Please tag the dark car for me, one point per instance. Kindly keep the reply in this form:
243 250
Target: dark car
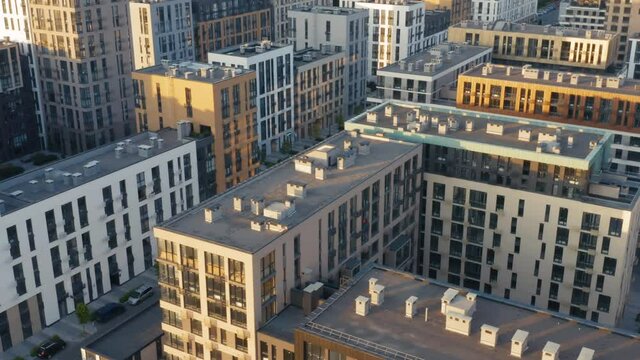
51 347
108 312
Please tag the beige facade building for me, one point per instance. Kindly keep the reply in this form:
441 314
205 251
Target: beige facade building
460 9
235 30
229 266
593 50
623 18
161 30
210 101
522 209
84 62
319 94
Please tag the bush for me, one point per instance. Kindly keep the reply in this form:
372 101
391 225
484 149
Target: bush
56 338
41 159
124 298
19 358
8 170
34 351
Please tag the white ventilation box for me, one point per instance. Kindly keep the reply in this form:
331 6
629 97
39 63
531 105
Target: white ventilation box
347 144
410 307
442 128
296 189
303 165
586 354
388 110
458 323
257 225
551 351
320 173
237 203
519 343
544 137
346 161
377 295
372 117
257 206
489 335
446 299
468 125
372 283
495 129
212 213
364 147
362 305
524 134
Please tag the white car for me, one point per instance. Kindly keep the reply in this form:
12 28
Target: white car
140 294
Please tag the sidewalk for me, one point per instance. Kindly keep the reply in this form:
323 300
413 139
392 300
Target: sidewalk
71 331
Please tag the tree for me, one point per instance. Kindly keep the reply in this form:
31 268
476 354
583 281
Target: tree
84 314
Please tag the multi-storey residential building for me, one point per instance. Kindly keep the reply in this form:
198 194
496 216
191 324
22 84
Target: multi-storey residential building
218 102
319 93
596 101
345 30
633 61
219 33
459 9
74 230
19 133
281 10
429 75
543 45
583 14
228 267
161 30
623 18
84 61
519 208
494 10
396 30
273 64
15 24
389 314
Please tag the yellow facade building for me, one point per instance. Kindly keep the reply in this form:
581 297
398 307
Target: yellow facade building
206 100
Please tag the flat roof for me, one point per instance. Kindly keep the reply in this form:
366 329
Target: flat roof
32 186
131 336
311 56
507 26
442 57
194 71
584 81
328 10
251 49
587 142
233 229
387 328
284 324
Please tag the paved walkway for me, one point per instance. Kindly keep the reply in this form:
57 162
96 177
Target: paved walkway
70 329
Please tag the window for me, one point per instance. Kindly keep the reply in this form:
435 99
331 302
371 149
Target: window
604 302
142 187
562 236
438 191
514 225
499 202
459 195
521 208
236 271
237 296
605 245
478 199
590 221
615 227
562 216
214 264
557 273
14 244
609 266
516 247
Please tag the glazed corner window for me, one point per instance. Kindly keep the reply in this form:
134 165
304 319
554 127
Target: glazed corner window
236 271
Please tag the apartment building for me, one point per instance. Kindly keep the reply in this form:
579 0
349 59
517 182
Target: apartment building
281 8
623 18
506 10
389 314
84 61
273 64
19 135
633 61
229 266
596 101
234 30
15 25
161 30
583 14
459 9
319 93
210 101
345 30
396 30
429 75
79 227
522 209
559 48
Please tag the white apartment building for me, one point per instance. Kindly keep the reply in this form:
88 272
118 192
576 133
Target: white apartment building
584 15
228 266
429 75
273 64
519 208
633 60
72 231
319 96
281 10
15 24
336 29
396 30
161 30
507 10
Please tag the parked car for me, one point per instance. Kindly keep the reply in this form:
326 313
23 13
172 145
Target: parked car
140 294
108 312
51 347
